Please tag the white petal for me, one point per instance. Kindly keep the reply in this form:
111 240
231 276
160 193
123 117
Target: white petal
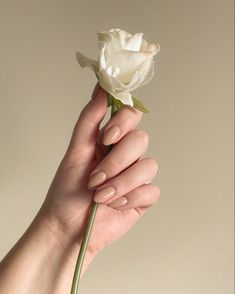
87 62
148 47
134 82
109 83
109 70
116 72
128 62
145 73
135 42
142 76
101 55
113 84
111 40
114 30
121 35
124 97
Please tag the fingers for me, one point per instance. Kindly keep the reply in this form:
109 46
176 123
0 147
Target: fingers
86 132
87 127
142 197
120 124
127 151
136 175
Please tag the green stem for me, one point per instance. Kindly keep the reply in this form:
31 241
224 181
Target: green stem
82 251
86 237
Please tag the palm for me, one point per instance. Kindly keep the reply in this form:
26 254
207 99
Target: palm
71 199
111 224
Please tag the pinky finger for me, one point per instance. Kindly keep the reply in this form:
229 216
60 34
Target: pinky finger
141 198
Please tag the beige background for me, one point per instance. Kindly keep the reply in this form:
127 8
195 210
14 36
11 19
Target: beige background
185 243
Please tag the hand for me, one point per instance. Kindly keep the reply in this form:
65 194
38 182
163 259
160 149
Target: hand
85 166
55 235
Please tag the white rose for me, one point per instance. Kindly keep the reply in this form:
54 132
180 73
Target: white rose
125 62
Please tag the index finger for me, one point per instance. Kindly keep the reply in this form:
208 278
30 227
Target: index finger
120 124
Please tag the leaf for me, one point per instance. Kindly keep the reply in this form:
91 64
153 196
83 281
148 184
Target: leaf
118 103
139 105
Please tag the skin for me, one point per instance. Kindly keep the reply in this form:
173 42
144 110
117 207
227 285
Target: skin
43 260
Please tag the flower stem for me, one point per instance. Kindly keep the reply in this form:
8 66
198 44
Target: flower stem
86 237
82 251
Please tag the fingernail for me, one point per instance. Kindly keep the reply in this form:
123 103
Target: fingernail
97 179
119 202
104 194
111 135
148 182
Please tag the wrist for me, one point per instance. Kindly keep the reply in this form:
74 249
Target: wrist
68 239
42 259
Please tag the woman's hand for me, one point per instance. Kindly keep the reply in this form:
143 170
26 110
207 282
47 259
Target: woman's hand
43 260
120 179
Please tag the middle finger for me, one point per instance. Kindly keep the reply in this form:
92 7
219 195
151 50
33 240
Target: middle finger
119 125
122 155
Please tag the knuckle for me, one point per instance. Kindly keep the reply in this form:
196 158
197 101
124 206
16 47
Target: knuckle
75 157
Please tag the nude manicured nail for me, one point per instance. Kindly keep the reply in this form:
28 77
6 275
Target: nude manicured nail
104 194
97 179
111 135
119 202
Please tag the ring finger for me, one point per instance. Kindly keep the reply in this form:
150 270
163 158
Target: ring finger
141 198
136 175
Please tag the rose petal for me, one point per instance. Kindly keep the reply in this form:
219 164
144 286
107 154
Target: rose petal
101 55
112 44
146 72
121 35
87 62
148 47
116 72
128 62
109 83
135 42
109 70
142 75
125 98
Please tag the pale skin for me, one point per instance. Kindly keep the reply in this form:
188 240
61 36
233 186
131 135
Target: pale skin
43 260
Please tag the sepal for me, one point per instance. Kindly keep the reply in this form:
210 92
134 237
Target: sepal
139 105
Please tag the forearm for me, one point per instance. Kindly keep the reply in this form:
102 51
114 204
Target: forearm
42 261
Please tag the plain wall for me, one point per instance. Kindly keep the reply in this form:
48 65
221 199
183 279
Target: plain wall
185 243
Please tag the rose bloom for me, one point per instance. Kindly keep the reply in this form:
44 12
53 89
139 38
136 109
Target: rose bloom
125 63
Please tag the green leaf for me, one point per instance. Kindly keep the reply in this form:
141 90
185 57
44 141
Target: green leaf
118 103
139 105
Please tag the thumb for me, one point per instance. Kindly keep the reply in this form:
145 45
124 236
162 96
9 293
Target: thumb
86 130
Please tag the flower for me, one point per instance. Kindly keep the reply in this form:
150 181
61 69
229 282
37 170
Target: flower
125 63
